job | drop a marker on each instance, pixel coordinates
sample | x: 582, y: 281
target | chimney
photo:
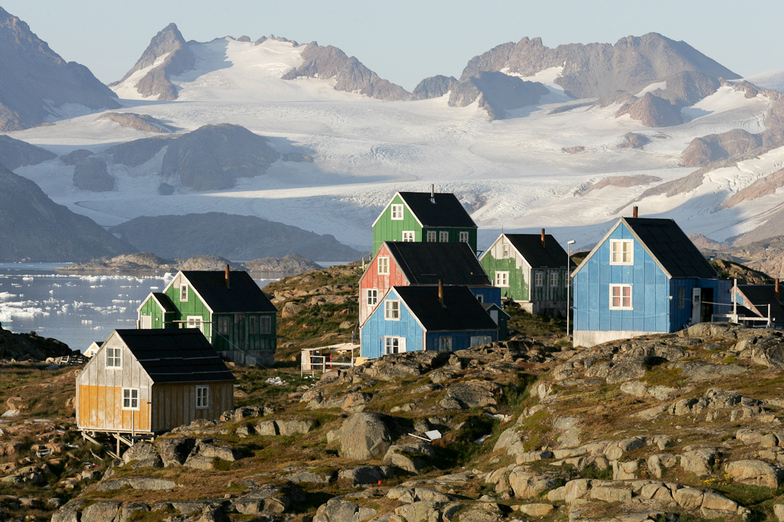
x: 441, y: 292
x: 432, y: 193
x: 542, y: 238
x: 776, y: 290
x: 227, y: 276
x: 634, y: 212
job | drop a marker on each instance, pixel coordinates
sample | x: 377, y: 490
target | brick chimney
x: 776, y: 290
x: 227, y: 277
x: 543, y: 238
x: 634, y: 212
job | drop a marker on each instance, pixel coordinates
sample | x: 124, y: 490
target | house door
x: 146, y: 322
x: 701, y: 305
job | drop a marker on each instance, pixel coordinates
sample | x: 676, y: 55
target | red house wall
x: 372, y: 279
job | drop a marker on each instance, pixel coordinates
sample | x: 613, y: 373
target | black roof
x: 164, y: 301
x: 550, y: 255
x: 460, y: 309
x: 442, y: 210
x: 182, y: 355
x: 427, y: 263
x: 763, y: 295
x: 670, y: 246
x: 242, y: 294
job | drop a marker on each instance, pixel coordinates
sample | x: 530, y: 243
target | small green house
x: 228, y: 307
x: 531, y: 270
x: 424, y: 217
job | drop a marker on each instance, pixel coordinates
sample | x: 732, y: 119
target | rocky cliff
x: 37, y: 82
x: 33, y: 227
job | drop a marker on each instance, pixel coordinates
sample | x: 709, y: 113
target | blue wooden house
x: 645, y: 276
x: 411, y: 318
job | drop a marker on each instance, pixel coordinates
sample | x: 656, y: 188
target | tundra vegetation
x: 683, y: 426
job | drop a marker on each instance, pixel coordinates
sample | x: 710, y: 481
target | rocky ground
x: 674, y: 427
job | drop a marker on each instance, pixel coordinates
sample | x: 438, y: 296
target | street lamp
x: 568, y: 283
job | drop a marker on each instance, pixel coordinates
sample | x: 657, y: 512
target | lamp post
x: 568, y: 284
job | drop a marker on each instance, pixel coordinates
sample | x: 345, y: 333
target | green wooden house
x: 531, y: 270
x: 228, y: 307
x: 424, y: 217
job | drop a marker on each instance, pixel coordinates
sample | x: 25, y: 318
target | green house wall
x: 194, y: 306
x: 240, y: 335
x: 159, y: 318
x: 518, y: 289
x: 388, y: 229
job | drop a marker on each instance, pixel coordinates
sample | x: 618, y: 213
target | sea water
x: 75, y: 309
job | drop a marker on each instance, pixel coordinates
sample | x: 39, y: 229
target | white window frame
x: 431, y: 236
x: 409, y: 236
x: 445, y: 343
x: 114, y: 357
x: 130, y: 399
x: 391, y: 342
x: 371, y: 296
x: 478, y: 340
x: 443, y: 237
x: 621, y: 252
x: 383, y: 265
x: 392, y: 310
x: 396, y: 212
x: 505, y: 250
x: 553, y: 279
x: 538, y: 279
x: 202, y: 397
x: 195, y: 321
x: 623, y: 304
x: 183, y: 292
x: 480, y: 298
x: 502, y: 278
x: 463, y: 237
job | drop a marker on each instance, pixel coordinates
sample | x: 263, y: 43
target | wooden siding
x: 158, y: 318
x: 376, y: 328
x: 460, y: 340
x: 99, y: 392
x: 650, y: 292
x: 372, y: 279
x: 193, y: 306
x: 387, y: 229
x: 239, y: 336
x: 489, y: 294
x: 174, y: 404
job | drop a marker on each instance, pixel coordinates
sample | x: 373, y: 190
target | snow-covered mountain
x: 521, y: 154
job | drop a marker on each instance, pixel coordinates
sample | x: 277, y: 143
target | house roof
x: 488, y: 306
x: 182, y: 355
x: 549, y: 255
x: 760, y: 296
x: 667, y: 244
x: 164, y: 301
x: 242, y: 294
x: 460, y: 309
x: 427, y: 263
x: 442, y: 210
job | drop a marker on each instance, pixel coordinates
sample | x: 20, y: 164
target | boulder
x: 755, y: 473
x: 410, y: 457
x: 292, y: 427
x: 364, y: 436
x: 366, y: 474
x: 698, y: 461
x: 144, y: 454
x: 102, y: 510
x: 340, y: 510
x: 476, y: 393
x: 174, y: 452
x: 526, y: 484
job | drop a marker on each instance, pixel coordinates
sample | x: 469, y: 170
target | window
x: 445, y: 343
x: 463, y: 237
x: 443, y: 237
x: 502, y: 278
x: 408, y: 236
x: 397, y: 212
x: 394, y: 345
x: 372, y: 296
x: 553, y: 279
x: 682, y: 297
x: 183, y: 292
x: 195, y: 321
x: 505, y: 251
x: 113, y: 357
x: 223, y: 325
x: 480, y: 298
x: 622, y: 252
x: 202, y: 397
x: 146, y: 322
x: 392, y: 310
x: 130, y: 398
x: 383, y: 265
x: 538, y: 279
x: 265, y: 324
x: 431, y: 236
x: 478, y: 340
x: 620, y: 297
x: 253, y: 324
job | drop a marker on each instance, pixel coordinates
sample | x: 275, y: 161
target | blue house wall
x: 489, y: 294
x: 377, y: 327
x: 460, y: 340
x: 650, y: 291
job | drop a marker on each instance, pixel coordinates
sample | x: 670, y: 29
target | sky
x: 405, y: 41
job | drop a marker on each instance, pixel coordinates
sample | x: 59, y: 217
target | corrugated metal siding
x: 650, y: 292
x: 387, y: 229
x: 376, y: 327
